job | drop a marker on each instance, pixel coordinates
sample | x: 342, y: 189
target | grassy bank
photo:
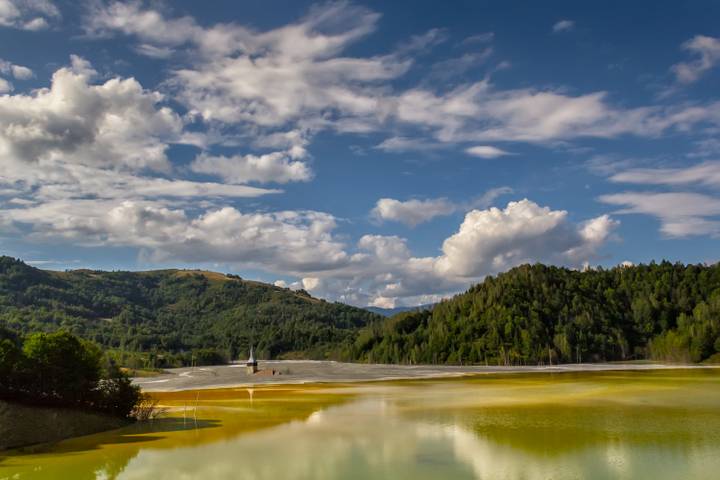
x: 23, y: 425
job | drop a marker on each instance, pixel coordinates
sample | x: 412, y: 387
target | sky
x: 374, y: 153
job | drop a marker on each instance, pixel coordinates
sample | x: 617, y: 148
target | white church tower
x: 251, y: 364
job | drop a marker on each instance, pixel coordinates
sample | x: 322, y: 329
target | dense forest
x: 543, y: 314
x: 532, y: 314
x: 174, y: 317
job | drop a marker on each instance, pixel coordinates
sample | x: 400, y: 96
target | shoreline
x: 300, y: 372
x: 23, y: 425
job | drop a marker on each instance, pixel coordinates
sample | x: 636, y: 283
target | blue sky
x: 376, y: 153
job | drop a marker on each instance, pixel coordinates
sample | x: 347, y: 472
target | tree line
x: 60, y: 369
x: 538, y: 314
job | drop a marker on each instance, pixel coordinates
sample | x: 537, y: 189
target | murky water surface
x: 618, y: 425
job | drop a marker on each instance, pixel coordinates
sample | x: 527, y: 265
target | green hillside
x: 541, y: 314
x: 528, y: 315
x: 175, y: 311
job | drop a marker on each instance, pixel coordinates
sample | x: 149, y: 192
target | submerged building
x: 251, y: 365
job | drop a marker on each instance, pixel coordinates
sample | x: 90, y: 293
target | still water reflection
x: 631, y: 425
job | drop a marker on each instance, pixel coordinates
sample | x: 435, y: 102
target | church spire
x: 251, y: 365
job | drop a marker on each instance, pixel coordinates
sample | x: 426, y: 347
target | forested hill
x: 389, y: 312
x: 537, y: 314
x: 171, y: 311
x: 528, y: 315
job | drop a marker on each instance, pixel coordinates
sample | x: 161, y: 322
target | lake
x: 661, y: 424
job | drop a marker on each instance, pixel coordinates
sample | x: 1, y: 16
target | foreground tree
x: 63, y: 370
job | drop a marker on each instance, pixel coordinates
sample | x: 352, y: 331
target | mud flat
x: 306, y: 371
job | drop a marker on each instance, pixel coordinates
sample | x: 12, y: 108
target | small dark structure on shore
x: 251, y: 365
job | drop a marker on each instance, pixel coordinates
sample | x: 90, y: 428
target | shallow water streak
x: 662, y: 424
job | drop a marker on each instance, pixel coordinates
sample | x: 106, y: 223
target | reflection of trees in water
x: 410, y: 432
x: 371, y: 438
x: 113, y: 464
x: 101, y: 456
x: 556, y: 430
x: 589, y: 442
x: 220, y: 417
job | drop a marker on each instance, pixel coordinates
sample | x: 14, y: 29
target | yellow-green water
x: 620, y: 425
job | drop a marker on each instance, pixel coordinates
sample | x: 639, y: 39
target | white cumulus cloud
x: 493, y: 240
x: 78, y: 158
x: 19, y: 72
x: 5, y: 86
x: 267, y: 77
x: 385, y: 272
x: 285, y: 241
x: 707, y: 54
x: 117, y: 123
x: 28, y: 14
x: 415, y: 211
x: 412, y: 212
x: 299, y: 76
x: 275, y: 167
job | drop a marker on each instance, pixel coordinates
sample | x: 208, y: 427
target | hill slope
x: 174, y: 311
x: 535, y: 314
x: 530, y: 314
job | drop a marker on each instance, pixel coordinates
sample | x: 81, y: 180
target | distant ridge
x: 167, y: 312
x: 389, y: 312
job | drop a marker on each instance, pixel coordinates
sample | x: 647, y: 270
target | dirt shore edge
x: 281, y: 372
